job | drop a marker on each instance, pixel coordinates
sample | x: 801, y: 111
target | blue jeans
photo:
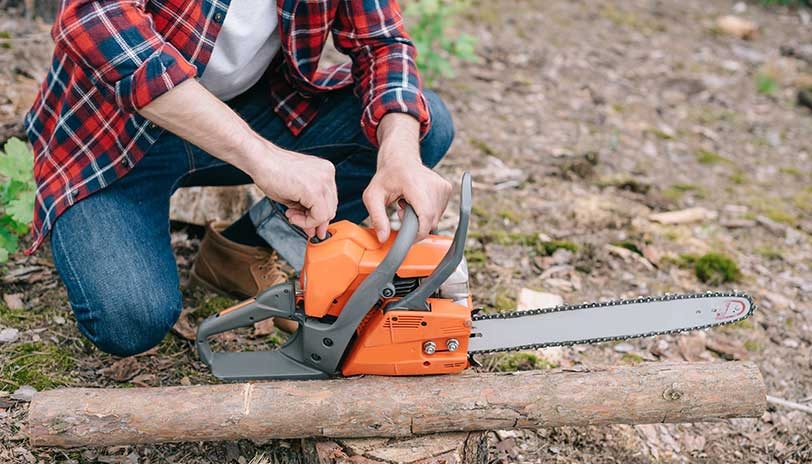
x: 113, y: 248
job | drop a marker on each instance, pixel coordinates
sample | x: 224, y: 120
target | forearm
x: 194, y: 114
x: 399, y: 136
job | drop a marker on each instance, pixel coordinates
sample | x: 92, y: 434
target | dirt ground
x: 581, y: 120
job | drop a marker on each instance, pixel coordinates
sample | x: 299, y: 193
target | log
x: 199, y: 205
x: 397, y: 406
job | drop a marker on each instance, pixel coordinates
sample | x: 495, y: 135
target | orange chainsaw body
x: 386, y: 343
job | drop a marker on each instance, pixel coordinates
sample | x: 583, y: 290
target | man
x: 148, y: 96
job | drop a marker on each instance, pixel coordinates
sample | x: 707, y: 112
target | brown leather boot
x: 236, y: 270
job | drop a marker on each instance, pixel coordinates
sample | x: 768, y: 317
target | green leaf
x: 8, y: 244
x: 21, y: 210
x: 17, y: 163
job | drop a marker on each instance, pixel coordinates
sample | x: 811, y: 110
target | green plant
x: 766, y: 85
x: 431, y: 22
x: 16, y: 194
x: 792, y: 3
x: 716, y: 268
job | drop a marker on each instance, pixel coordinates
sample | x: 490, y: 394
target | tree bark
x: 397, y: 406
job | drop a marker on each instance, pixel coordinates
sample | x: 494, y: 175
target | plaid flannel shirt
x: 113, y: 57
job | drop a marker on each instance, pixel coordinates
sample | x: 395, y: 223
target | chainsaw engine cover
x: 335, y: 267
x: 387, y: 342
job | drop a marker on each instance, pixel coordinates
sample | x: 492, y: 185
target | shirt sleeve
x: 115, y: 41
x: 372, y: 33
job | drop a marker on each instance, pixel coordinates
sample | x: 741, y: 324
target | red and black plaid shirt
x: 113, y: 57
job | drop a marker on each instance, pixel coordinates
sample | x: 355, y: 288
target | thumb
x: 375, y: 201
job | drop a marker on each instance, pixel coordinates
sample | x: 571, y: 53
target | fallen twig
x: 789, y: 404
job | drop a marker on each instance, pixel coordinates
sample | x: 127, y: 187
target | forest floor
x: 580, y: 121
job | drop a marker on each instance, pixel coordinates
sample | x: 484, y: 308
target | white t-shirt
x: 245, y: 46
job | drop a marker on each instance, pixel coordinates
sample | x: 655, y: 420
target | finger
x: 321, y: 231
x: 375, y: 202
x: 310, y: 232
x: 425, y: 221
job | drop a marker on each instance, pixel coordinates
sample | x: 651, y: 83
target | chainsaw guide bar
x: 719, y: 308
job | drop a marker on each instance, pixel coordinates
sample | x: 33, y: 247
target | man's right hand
x: 305, y: 184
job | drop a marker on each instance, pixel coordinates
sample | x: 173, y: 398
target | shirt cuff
x: 395, y: 100
x: 157, y: 75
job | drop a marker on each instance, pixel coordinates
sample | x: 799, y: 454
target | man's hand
x: 305, y: 184
x: 401, y: 174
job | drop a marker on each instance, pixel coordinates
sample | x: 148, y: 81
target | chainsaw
x: 404, y: 308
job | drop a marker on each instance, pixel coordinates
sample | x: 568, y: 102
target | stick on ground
x: 397, y: 406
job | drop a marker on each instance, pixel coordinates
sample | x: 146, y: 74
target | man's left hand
x: 402, y: 175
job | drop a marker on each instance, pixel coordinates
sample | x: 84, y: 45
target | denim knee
x: 437, y: 142
x: 129, y: 325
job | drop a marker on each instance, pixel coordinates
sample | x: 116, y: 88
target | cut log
x: 199, y: 205
x: 397, y: 406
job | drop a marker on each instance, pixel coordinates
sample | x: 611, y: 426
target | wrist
x: 255, y: 154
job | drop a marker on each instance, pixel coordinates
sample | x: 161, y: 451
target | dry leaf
x: 184, y: 326
x: 13, y: 301
x: 145, y: 380
x: 122, y: 370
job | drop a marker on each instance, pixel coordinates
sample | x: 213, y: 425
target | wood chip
x: 737, y: 27
x: 531, y: 299
x: 684, y: 216
x: 264, y: 327
x: 692, y: 347
x: 727, y: 348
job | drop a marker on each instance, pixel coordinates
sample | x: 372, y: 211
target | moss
x: 12, y: 317
x: 791, y: 171
x: 483, y: 146
x: 476, y: 258
x: 676, y: 191
x: 629, y: 245
x: 504, y: 302
x: 511, y: 362
x: 43, y: 366
x: 803, y: 201
x: 738, y: 178
x: 752, y: 346
x: 772, y: 254
x: 214, y: 305
x: 548, y: 248
x: 659, y: 133
x: 710, y: 157
x: 683, y: 260
x: 510, y: 215
x: 480, y: 212
x: 766, y: 84
x: 632, y: 358
x: 781, y: 215
x: 716, y: 268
